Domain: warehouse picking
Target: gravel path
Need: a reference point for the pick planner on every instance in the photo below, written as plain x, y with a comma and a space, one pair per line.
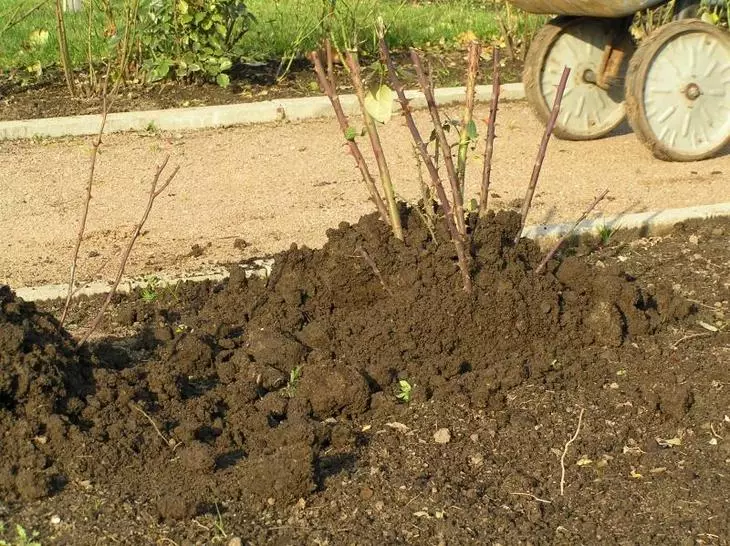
250, 191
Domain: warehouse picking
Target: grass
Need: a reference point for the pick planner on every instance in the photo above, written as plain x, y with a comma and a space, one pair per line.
283, 28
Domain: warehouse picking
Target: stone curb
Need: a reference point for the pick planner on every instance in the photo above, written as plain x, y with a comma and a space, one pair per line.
648, 223
206, 117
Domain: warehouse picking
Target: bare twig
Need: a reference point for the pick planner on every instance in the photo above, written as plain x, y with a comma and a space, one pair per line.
565, 452
567, 234
14, 20
155, 191
369, 260
489, 146
85, 211
543, 149
467, 120
427, 89
329, 90
372, 130
397, 85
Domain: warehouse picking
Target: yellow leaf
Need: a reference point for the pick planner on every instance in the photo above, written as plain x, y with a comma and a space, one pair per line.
380, 105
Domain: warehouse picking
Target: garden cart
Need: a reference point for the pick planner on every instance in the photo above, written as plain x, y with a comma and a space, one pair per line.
674, 87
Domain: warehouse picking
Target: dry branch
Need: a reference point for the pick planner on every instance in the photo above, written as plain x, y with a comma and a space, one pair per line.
155, 191
397, 85
543, 149
427, 88
329, 90
85, 212
567, 234
489, 146
372, 130
468, 117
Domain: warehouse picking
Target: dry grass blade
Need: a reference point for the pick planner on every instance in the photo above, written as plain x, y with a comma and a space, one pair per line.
543, 149
328, 89
489, 146
565, 452
154, 193
567, 234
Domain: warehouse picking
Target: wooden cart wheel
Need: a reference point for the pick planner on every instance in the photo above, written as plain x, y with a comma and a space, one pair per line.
678, 91
588, 111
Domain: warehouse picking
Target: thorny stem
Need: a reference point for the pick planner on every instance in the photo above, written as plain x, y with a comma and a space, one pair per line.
155, 191
541, 153
565, 236
489, 146
329, 90
372, 130
464, 138
443, 142
397, 85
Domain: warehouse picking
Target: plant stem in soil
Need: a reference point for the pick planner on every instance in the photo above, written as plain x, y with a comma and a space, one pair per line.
541, 152
467, 122
489, 146
565, 236
372, 130
427, 89
154, 193
329, 90
397, 85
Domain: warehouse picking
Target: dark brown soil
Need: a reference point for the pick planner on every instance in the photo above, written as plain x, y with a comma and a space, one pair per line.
266, 409
250, 83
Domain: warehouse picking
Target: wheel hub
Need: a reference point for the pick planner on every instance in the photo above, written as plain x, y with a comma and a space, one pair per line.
692, 91
589, 76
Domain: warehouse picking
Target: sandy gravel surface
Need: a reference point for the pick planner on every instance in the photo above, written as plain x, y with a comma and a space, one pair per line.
269, 186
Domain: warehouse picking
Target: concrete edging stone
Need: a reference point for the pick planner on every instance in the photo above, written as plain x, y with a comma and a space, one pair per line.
207, 117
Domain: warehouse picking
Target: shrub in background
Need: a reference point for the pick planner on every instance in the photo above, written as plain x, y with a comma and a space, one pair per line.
193, 39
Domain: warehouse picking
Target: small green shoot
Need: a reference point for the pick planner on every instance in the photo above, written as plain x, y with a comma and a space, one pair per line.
220, 528
291, 385
149, 291
605, 233
22, 537
404, 391
181, 328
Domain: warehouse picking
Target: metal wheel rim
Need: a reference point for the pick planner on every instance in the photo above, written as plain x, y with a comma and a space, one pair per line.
586, 108
686, 95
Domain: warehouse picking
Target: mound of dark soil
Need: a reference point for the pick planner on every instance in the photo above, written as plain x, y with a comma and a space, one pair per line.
254, 392
39, 381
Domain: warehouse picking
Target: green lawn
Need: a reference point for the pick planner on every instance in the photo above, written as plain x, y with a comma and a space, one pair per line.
282, 28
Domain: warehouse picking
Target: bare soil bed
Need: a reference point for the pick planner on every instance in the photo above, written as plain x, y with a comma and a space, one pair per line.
49, 97
265, 410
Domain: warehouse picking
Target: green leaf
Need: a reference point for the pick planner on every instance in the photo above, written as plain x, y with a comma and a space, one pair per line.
182, 7
380, 104
350, 134
223, 80
471, 130
225, 64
